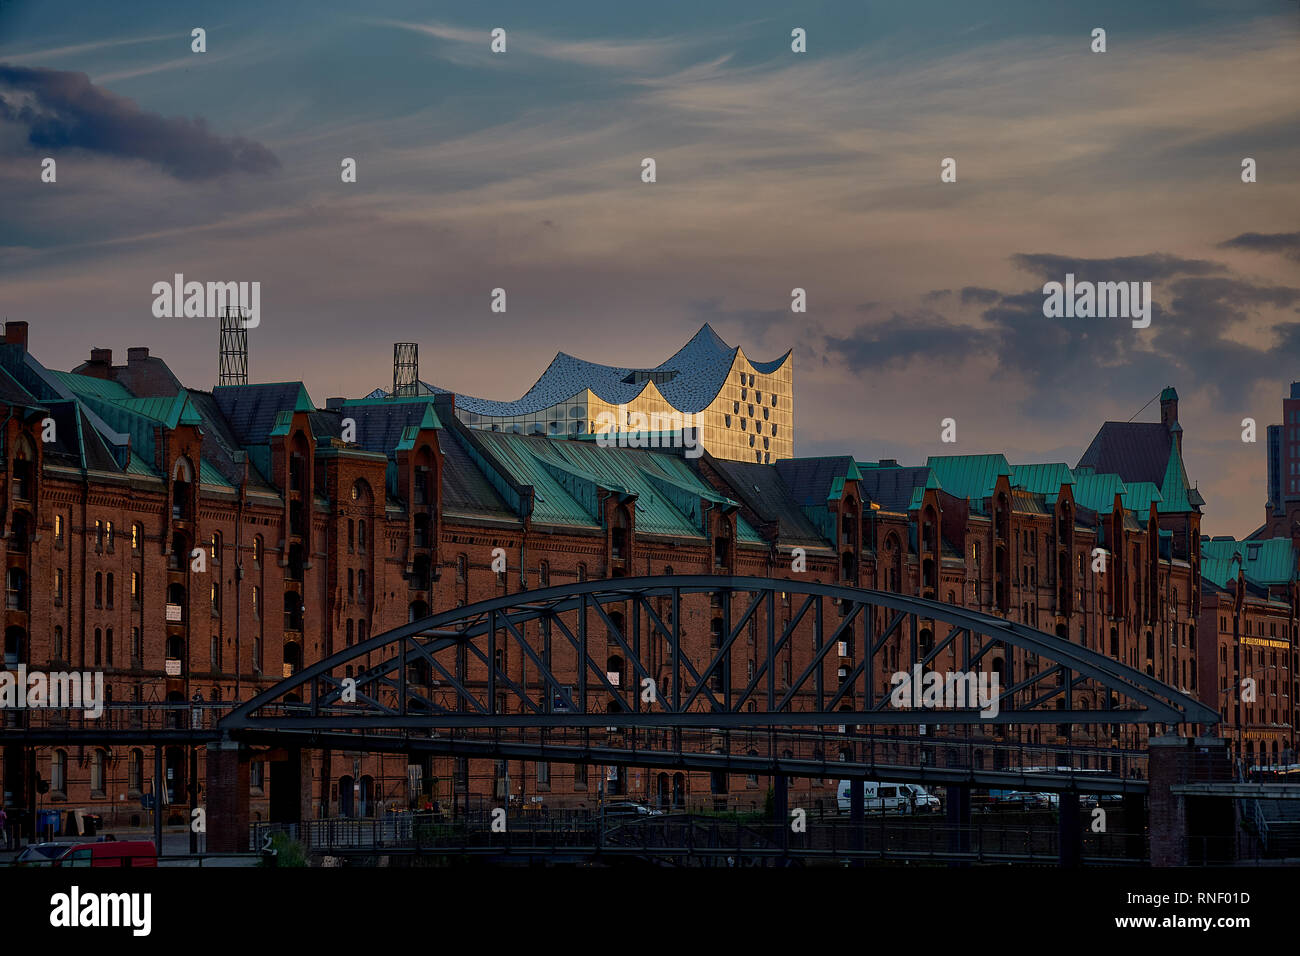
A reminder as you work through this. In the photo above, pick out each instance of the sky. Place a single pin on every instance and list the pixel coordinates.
(775, 170)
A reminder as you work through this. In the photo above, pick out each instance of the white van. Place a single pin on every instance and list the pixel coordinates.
(880, 797)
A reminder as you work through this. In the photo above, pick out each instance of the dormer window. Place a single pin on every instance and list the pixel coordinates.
(182, 484)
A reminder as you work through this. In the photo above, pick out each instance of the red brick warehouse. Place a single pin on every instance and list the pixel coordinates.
(312, 543)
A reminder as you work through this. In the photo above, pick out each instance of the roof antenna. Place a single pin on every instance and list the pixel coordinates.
(1147, 405)
(233, 366)
(406, 368)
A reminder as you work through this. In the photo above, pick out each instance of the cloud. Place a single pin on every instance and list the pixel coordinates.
(1148, 268)
(64, 110)
(905, 337)
(1286, 243)
(602, 53)
(1210, 331)
(974, 293)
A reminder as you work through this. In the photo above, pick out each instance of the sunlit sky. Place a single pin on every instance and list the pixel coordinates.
(775, 170)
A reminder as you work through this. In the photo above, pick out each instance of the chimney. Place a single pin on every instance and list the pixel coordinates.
(100, 364)
(136, 355)
(16, 334)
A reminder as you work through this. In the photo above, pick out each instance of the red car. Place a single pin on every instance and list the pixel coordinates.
(110, 853)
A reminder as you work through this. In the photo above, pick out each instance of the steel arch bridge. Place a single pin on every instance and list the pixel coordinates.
(700, 672)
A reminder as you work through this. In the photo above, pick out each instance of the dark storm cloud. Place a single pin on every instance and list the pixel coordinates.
(1152, 267)
(63, 110)
(1286, 243)
(973, 293)
(934, 295)
(1196, 320)
(902, 337)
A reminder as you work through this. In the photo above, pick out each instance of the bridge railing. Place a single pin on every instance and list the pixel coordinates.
(117, 717)
(818, 751)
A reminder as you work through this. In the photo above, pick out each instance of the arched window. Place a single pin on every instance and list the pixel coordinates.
(135, 772)
(58, 642)
(361, 536)
(348, 633)
(111, 589)
(352, 535)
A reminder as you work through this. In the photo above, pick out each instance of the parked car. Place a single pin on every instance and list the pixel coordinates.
(110, 853)
(627, 808)
(1019, 800)
(41, 854)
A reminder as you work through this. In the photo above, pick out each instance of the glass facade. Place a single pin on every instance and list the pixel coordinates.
(750, 419)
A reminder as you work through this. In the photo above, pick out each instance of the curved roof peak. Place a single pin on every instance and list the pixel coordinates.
(689, 379)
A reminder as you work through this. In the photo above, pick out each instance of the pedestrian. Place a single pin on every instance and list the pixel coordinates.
(4, 827)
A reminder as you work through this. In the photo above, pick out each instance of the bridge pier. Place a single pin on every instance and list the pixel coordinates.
(227, 790)
(1182, 828)
(957, 810)
(781, 808)
(1069, 836)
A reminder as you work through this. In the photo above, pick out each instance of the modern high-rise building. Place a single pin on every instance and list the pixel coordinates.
(741, 409)
(1282, 511)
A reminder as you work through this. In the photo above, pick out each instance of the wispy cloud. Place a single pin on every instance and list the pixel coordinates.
(601, 53)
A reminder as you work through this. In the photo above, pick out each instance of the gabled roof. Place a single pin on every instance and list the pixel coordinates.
(1043, 479)
(1097, 492)
(762, 490)
(1136, 451)
(381, 424)
(815, 481)
(969, 476)
(251, 410)
(892, 486)
(1266, 561)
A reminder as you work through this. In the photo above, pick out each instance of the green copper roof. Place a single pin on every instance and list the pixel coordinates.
(1267, 561)
(1044, 479)
(968, 476)
(1097, 492)
(571, 478)
(1139, 495)
(86, 385)
(174, 411)
(1174, 489)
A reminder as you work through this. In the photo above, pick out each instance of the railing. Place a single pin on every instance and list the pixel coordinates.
(705, 839)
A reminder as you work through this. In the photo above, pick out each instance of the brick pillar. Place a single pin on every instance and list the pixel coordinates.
(1172, 761)
(227, 792)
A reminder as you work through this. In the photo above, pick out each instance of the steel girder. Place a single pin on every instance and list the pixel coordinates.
(702, 688)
